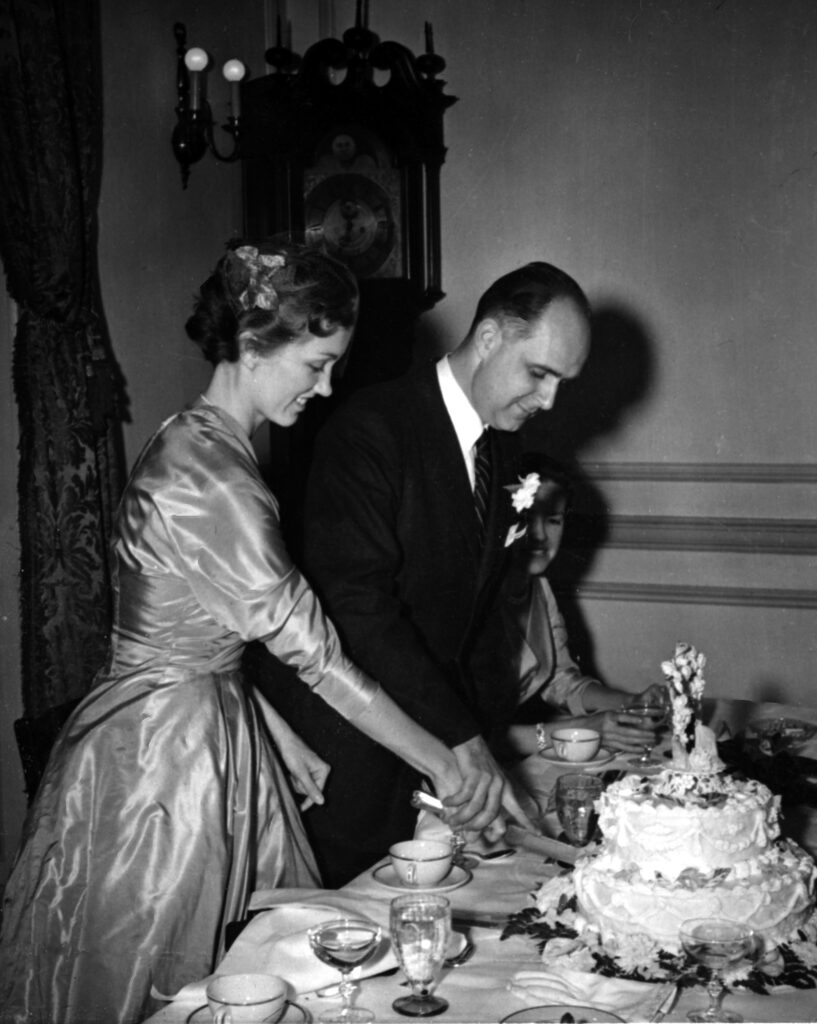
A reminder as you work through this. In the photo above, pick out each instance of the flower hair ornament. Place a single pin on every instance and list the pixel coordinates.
(259, 292)
(522, 498)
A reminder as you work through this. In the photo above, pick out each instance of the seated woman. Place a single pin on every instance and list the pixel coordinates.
(550, 681)
(166, 802)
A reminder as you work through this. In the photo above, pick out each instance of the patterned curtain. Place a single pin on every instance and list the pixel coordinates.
(65, 378)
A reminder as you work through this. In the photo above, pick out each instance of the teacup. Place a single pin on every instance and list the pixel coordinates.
(246, 998)
(421, 863)
(575, 744)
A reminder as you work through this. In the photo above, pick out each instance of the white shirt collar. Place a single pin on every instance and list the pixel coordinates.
(466, 420)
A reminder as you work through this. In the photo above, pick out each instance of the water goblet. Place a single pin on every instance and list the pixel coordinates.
(345, 942)
(420, 930)
(654, 714)
(576, 797)
(717, 945)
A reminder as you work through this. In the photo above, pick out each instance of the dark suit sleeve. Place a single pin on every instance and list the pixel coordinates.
(354, 558)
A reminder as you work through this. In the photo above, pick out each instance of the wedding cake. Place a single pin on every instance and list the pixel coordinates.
(691, 841)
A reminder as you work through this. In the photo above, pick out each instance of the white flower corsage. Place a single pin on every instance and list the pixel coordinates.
(522, 498)
(523, 493)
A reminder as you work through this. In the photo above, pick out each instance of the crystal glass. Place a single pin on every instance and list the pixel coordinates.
(576, 797)
(345, 942)
(717, 945)
(655, 715)
(420, 930)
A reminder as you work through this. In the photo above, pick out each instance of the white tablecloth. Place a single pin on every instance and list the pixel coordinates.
(477, 992)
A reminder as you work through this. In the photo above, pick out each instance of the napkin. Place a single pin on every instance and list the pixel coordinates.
(631, 1000)
(275, 942)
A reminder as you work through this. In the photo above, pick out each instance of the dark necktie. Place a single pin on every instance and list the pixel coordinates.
(482, 477)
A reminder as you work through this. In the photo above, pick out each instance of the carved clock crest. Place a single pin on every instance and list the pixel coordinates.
(343, 149)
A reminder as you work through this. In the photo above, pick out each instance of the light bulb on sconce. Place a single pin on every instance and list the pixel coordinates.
(234, 72)
(195, 59)
(351, 64)
(193, 133)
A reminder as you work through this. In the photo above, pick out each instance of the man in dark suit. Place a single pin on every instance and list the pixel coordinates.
(406, 531)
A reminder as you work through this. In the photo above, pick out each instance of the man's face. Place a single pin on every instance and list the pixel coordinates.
(519, 376)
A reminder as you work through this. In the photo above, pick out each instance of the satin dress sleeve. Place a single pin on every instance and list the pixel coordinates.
(546, 667)
(218, 524)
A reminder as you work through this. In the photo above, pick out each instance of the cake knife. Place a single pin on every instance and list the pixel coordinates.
(540, 843)
(514, 834)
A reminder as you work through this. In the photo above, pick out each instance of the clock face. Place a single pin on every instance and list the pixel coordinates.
(350, 217)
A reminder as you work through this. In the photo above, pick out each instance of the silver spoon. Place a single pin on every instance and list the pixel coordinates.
(503, 854)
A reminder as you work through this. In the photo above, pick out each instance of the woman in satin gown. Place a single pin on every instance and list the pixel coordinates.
(165, 802)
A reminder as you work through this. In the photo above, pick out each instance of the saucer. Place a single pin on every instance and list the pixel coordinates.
(771, 735)
(293, 1014)
(603, 755)
(387, 876)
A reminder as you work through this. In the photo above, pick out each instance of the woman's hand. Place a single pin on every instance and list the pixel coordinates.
(467, 779)
(621, 731)
(307, 771)
(482, 797)
(656, 693)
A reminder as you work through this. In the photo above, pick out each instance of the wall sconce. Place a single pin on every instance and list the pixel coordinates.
(193, 134)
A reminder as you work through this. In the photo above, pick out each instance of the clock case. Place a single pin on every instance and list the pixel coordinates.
(391, 104)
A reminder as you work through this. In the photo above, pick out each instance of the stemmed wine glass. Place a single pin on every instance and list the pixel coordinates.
(655, 714)
(420, 930)
(345, 942)
(717, 945)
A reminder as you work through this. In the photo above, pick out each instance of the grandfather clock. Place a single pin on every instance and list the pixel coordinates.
(342, 149)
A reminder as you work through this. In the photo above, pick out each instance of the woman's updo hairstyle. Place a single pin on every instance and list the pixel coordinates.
(277, 293)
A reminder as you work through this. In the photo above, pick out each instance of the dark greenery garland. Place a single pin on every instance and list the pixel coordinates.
(677, 968)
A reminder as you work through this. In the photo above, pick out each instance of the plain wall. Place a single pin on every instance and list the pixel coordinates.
(664, 154)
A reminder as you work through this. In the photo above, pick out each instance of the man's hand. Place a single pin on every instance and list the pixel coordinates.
(483, 795)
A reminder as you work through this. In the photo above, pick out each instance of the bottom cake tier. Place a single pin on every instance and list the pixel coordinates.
(774, 896)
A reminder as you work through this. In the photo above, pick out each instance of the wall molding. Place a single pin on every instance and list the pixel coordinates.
(667, 593)
(696, 533)
(705, 472)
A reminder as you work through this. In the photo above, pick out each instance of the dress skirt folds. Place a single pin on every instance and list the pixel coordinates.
(164, 804)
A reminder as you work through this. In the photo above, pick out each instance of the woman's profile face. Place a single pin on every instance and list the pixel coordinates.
(284, 380)
(546, 524)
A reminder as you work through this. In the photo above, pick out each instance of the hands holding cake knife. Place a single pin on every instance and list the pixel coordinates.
(484, 804)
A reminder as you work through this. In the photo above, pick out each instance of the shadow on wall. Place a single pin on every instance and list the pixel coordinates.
(616, 379)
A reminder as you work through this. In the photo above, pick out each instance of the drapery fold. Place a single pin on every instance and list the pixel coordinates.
(65, 378)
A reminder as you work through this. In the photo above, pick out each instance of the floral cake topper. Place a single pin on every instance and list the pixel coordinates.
(694, 746)
(259, 292)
